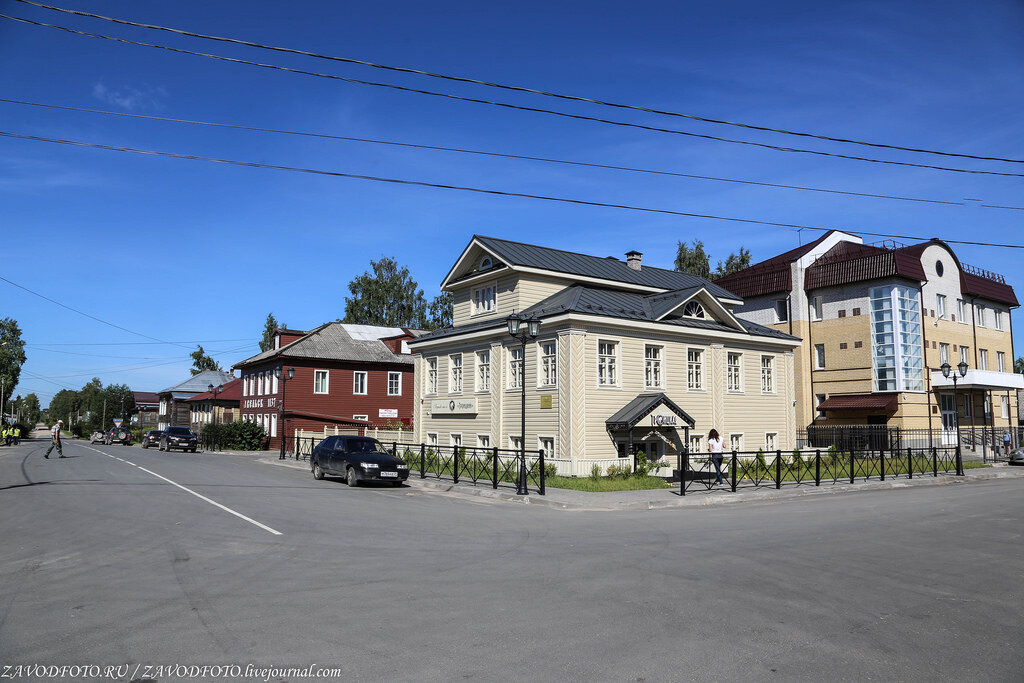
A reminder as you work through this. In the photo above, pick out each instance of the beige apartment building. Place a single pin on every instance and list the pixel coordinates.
(877, 322)
(628, 358)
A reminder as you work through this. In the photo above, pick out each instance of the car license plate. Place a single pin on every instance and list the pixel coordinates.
(389, 474)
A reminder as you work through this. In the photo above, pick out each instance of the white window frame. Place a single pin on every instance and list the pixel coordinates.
(609, 363)
(548, 452)
(1000, 361)
(735, 441)
(483, 370)
(983, 359)
(326, 384)
(273, 383)
(259, 383)
(782, 310)
(431, 439)
(694, 309)
(273, 424)
(968, 404)
(547, 364)
(965, 354)
(1004, 407)
(818, 400)
(514, 442)
(455, 439)
(484, 300)
(961, 310)
(819, 356)
(816, 308)
(694, 369)
(768, 387)
(943, 353)
(997, 319)
(654, 367)
(940, 306)
(734, 372)
(483, 440)
(393, 375)
(771, 441)
(516, 367)
(980, 313)
(455, 375)
(355, 383)
(696, 444)
(431, 376)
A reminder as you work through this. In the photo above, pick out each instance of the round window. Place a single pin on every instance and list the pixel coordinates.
(938, 268)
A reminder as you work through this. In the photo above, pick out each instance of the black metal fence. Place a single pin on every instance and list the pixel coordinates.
(496, 467)
(987, 443)
(749, 469)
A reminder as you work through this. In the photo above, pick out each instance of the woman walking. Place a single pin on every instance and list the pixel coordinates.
(715, 449)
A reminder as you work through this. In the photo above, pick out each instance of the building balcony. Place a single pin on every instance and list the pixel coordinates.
(982, 380)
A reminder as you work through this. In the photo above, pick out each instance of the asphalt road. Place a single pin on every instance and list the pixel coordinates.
(106, 563)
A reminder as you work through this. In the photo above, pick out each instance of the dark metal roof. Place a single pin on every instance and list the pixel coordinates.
(145, 400)
(610, 303)
(768, 276)
(232, 391)
(340, 341)
(883, 402)
(642, 406)
(197, 383)
(532, 256)
(849, 262)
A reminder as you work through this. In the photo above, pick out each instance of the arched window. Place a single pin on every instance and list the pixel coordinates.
(485, 263)
(693, 310)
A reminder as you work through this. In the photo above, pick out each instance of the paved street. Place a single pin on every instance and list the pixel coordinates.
(109, 561)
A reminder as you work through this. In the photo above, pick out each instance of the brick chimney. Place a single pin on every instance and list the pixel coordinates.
(633, 259)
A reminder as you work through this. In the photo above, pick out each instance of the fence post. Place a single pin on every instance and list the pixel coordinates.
(541, 453)
(455, 463)
(423, 461)
(494, 468)
(881, 460)
(778, 469)
(851, 466)
(817, 467)
(684, 465)
(935, 462)
(959, 463)
(394, 449)
(734, 462)
(283, 438)
(910, 464)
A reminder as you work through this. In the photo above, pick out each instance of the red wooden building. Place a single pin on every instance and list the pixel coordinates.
(338, 375)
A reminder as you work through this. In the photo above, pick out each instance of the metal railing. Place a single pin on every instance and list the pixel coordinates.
(984, 442)
(749, 469)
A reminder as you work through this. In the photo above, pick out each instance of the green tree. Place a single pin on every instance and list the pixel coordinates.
(30, 408)
(1018, 365)
(12, 356)
(734, 263)
(439, 313)
(389, 296)
(692, 260)
(120, 403)
(63, 406)
(269, 329)
(202, 362)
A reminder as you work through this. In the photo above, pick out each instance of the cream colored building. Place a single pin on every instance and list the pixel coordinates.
(628, 358)
(877, 323)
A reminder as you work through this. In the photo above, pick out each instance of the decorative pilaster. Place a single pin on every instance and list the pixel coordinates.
(572, 394)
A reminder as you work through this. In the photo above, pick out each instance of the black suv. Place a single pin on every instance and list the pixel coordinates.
(358, 459)
(121, 435)
(152, 438)
(178, 437)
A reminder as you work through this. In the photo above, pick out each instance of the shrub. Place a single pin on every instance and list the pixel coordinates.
(619, 471)
(761, 464)
(798, 460)
(595, 472)
(235, 436)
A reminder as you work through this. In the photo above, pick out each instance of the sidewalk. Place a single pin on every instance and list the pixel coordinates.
(698, 496)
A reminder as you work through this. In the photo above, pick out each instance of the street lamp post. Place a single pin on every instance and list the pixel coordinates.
(284, 392)
(517, 331)
(946, 372)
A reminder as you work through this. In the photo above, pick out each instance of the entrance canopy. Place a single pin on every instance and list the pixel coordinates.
(885, 403)
(644, 405)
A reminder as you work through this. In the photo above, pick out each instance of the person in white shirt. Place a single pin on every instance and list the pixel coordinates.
(55, 435)
(715, 449)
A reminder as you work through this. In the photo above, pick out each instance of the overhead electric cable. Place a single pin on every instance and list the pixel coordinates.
(130, 368)
(507, 105)
(418, 183)
(194, 341)
(534, 91)
(549, 160)
(91, 317)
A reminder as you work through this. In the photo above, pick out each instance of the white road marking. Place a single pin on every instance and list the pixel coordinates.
(197, 495)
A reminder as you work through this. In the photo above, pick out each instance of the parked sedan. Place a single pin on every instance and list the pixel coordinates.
(98, 436)
(357, 459)
(119, 435)
(178, 437)
(1016, 458)
(152, 438)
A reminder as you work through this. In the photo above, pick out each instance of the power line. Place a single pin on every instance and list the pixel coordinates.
(82, 313)
(460, 150)
(518, 107)
(501, 193)
(534, 91)
(194, 341)
(132, 368)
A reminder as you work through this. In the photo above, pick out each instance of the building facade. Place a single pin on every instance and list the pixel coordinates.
(877, 323)
(220, 405)
(174, 409)
(628, 358)
(338, 375)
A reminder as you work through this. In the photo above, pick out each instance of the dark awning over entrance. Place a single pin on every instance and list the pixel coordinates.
(642, 406)
(886, 403)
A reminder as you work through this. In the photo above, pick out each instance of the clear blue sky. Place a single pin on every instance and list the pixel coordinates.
(186, 250)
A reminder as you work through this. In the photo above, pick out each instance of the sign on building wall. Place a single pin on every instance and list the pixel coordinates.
(545, 401)
(455, 406)
(387, 412)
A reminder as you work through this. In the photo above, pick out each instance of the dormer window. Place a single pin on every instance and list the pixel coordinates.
(484, 299)
(693, 309)
(486, 263)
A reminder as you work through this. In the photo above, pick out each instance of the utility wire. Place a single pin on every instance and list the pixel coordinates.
(194, 341)
(130, 368)
(534, 91)
(461, 188)
(507, 105)
(483, 153)
(91, 317)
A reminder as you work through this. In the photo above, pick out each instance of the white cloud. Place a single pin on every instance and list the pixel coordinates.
(131, 99)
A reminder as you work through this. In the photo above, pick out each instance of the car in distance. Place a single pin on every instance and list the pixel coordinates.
(178, 437)
(98, 436)
(1016, 458)
(152, 438)
(119, 435)
(357, 459)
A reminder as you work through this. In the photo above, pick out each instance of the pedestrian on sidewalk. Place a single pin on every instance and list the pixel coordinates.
(55, 440)
(715, 449)
(1006, 441)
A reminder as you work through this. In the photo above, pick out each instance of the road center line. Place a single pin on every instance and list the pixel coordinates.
(197, 495)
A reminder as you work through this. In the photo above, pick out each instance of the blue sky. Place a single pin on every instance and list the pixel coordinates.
(184, 250)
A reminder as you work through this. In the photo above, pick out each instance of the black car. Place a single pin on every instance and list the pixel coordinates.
(178, 437)
(152, 438)
(119, 435)
(358, 459)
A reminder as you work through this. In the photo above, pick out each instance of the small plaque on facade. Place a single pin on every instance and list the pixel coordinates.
(453, 406)
(545, 401)
(387, 412)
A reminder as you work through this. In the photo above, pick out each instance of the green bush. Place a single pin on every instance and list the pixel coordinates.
(595, 472)
(623, 471)
(761, 464)
(798, 460)
(236, 436)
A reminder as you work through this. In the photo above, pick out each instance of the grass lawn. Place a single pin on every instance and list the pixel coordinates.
(606, 484)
